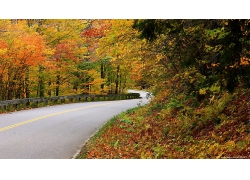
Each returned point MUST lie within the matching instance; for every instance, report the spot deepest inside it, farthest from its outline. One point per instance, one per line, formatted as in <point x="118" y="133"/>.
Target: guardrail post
<point x="78" y="98"/>
<point x="46" y="101"/>
<point x="2" y="107"/>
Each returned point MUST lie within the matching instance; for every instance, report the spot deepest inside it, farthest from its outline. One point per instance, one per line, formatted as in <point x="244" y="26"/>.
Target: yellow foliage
<point x="202" y="91"/>
<point x="3" y="51"/>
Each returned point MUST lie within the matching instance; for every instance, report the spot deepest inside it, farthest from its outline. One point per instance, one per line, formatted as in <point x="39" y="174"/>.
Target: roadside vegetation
<point x="198" y="71"/>
<point x="168" y="128"/>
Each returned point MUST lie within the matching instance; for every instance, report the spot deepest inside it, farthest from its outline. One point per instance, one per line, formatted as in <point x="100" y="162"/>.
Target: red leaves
<point x="143" y="134"/>
<point x="97" y="29"/>
<point x="65" y="51"/>
<point x="93" y="33"/>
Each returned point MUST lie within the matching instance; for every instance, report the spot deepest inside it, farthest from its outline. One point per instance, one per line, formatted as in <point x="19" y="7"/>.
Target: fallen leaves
<point x="141" y="134"/>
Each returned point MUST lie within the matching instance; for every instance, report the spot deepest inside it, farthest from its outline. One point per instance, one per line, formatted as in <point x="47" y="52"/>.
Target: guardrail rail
<point x="34" y="102"/>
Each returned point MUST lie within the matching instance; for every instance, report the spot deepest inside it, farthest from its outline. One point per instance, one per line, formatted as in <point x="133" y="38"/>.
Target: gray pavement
<point x="56" y="132"/>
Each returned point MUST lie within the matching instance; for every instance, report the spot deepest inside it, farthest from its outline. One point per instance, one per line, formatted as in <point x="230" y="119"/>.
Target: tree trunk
<point x="10" y="90"/>
<point x="11" y="86"/>
<point x="117" y="80"/>
<point x="102" y="75"/>
<point x="18" y="90"/>
<point x="27" y="80"/>
<point x="57" y="84"/>
<point x="41" y="86"/>
<point x="49" y="91"/>
<point x="1" y="88"/>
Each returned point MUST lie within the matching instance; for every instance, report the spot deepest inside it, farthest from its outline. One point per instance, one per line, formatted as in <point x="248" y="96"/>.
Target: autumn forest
<point x="197" y="70"/>
<point x="41" y="58"/>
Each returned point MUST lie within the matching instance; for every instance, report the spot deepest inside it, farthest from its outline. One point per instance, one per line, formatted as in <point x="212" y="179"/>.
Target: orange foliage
<point x="244" y="61"/>
<point x="27" y="50"/>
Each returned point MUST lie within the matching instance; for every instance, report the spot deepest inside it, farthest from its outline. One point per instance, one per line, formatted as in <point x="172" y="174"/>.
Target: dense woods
<point x="198" y="71"/>
<point x="43" y="58"/>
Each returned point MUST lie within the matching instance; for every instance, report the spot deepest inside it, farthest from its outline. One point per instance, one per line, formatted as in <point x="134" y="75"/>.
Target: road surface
<point x="56" y="132"/>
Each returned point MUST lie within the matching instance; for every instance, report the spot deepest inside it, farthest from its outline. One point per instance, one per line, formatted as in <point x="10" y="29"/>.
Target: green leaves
<point x="214" y="47"/>
<point x="116" y="144"/>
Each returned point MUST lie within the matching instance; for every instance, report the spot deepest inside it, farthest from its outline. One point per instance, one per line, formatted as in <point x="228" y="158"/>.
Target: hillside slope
<point x="163" y="129"/>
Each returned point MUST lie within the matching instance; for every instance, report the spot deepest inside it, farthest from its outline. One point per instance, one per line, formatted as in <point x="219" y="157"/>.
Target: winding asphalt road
<point x="56" y="132"/>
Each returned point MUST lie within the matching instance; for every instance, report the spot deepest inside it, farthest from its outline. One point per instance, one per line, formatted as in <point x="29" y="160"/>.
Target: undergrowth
<point x="178" y="127"/>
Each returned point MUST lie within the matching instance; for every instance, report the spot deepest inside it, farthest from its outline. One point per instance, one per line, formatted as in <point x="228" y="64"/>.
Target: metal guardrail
<point x="71" y="98"/>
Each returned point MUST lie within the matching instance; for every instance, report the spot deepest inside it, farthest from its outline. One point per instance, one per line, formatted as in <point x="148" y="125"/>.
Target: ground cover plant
<point x="153" y="132"/>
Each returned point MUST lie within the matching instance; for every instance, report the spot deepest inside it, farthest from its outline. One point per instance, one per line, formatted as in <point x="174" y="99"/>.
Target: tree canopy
<point x="51" y="57"/>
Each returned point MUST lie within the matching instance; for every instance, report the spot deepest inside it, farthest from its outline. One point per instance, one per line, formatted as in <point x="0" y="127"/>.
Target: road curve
<point x="56" y="132"/>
